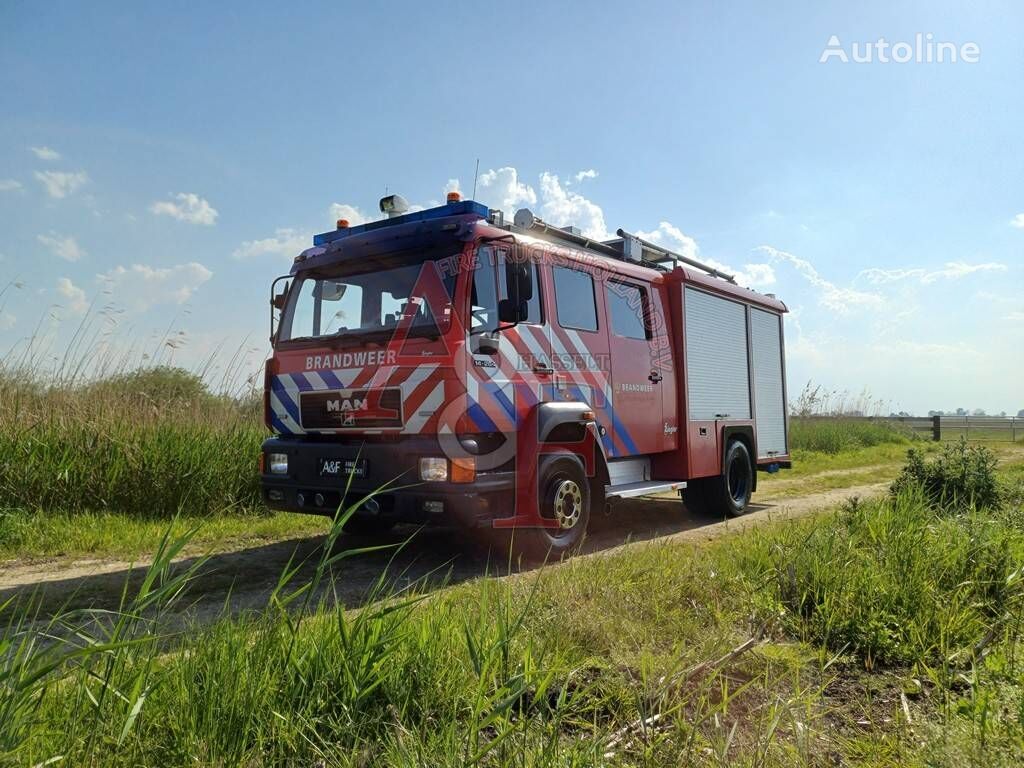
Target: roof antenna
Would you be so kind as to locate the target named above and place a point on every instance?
(475, 174)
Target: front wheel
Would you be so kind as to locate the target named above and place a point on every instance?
(729, 493)
(564, 500)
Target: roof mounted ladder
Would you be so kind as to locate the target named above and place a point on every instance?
(634, 248)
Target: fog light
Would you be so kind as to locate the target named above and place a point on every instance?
(278, 463)
(433, 469)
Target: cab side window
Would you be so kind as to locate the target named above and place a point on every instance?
(575, 302)
(627, 308)
(489, 286)
(483, 301)
(534, 315)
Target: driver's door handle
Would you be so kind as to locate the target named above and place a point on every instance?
(655, 377)
(542, 368)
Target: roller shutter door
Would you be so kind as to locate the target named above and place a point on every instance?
(769, 395)
(716, 357)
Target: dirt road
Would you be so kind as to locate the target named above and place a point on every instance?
(242, 580)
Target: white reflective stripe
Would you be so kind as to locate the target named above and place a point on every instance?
(535, 347)
(433, 402)
(279, 410)
(417, 377)
(602, 377)
(316, 381)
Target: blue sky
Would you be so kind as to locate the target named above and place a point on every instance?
(163, 163)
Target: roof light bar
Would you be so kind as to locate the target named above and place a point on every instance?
(470, 207)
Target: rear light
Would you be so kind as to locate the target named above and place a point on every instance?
(464, 470)
(262, 464)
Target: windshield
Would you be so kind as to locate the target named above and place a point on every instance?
(356, 301)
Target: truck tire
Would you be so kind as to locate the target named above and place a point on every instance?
(564, 496)
(728, 494)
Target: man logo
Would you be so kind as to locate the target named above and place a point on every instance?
(345, 405)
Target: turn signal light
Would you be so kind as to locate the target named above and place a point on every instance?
(454, 197)
(463, 470)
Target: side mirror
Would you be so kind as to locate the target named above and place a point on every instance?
(512, 311)
(278, 301)
(519, 279)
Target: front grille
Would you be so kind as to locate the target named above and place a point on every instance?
(351, 409)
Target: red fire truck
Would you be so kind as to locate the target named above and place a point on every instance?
(447, 365)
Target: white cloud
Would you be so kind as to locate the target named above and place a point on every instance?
(187, 206)
(452, 186)
(9, 185)
(59, 184)
(590, 173)
(1017, 221)
(952, 270)
(831, 296)
(674, 239)
(140, 286)
(45, 153)
(286, 243)
(503, 189)
(7, 321)
(66, 248)
(76, 302)
(354, 216)
(1015, 317)
(562, 207)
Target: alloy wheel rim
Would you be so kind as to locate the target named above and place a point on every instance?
(567, 504)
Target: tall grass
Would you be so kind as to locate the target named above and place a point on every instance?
(837, 434)
(147, 443)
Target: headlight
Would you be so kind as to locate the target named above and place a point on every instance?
(278, 463)
(434, 469)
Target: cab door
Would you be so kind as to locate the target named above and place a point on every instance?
(503, 384)
(639, 379)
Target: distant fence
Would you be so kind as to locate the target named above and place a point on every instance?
(1008, 429)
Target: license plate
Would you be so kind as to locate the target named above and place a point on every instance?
(342, 467)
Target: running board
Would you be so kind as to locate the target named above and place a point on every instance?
(629, 490)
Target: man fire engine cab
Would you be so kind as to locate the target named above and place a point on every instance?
(446, 365)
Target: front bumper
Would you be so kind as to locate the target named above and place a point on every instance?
(391, 464)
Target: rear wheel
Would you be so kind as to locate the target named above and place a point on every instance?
(729, 493)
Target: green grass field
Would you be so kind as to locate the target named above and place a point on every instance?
(887, 633)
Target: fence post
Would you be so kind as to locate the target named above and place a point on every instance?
(936, 428)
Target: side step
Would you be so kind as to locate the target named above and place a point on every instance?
(629, 490)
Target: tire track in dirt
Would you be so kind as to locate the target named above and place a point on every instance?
(242, 580)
